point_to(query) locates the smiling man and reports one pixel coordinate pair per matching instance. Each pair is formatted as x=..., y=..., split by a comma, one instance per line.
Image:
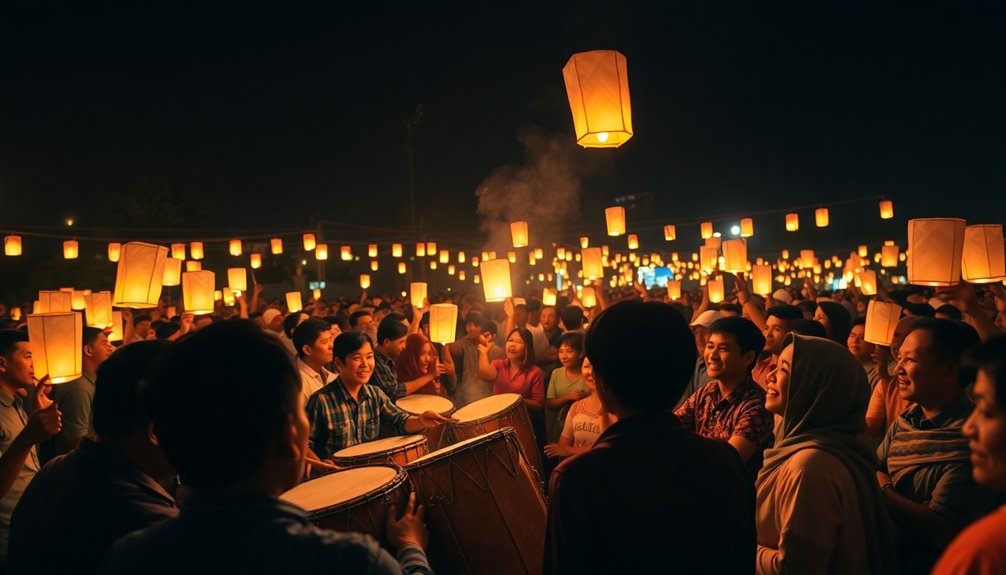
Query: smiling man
x=731, y=408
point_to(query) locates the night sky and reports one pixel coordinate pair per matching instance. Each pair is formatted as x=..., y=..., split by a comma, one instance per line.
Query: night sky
x=221, y=116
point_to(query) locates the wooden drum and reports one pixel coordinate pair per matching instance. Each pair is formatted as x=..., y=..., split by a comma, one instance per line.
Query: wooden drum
x=418, y=403
x=496, y=412
x=397, y=450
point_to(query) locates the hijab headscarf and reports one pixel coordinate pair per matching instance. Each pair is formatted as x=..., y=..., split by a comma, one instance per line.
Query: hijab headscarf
x=826, y=410
x=839, y=318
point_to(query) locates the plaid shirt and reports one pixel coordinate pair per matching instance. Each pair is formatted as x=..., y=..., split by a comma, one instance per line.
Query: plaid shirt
x=385, y=376
x=339, y=421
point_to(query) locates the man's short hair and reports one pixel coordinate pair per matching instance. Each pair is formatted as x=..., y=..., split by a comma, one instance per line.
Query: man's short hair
x=140, y=317
x=950, y=339
x=9, y=338
x=921, y=309
x=745, y=332
x=948, y=310
x=786, y=313
x=656, y=339
x=858, y=320
x=354, y=318
x=990, y=357
x=167, y=329
x=810, y=327
x=307, y=333
x=90, y=334
x=290, y=323
x=533, y=305
x=254, y=398
x=734, y=308
x=391, y=328
x=348, y=342
x=473, y=317
x=572, y=317
x=118, y=407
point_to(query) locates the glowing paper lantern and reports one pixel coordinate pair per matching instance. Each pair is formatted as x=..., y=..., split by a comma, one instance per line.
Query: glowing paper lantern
x=57, y=345
x=588, y=297
x=228, y=296
x=53, y=301
x=735, y=255
x=77, y=301
x=462, y=258
x=821, y=217
x=708, y=257
x=237, y=279
x=372, y=250
x=140, y=274
x=310, y=243
x=549, y=296
x=235, y=247
x=445, y=256
x=761, y=279
x=614, y=217
x=863, y=251
x=255, y=261
x=198, y=291
x=496, y=280
x=633, y=242
x=715, y=290
x=70, y=249
x=364, y=281
x=276, y=246
x=747, y=227
x=431, y=248
x=983, y=260
x=792, y=222
x=218, y=295
x=518, y=233
x=321, y=252
x=374, y=265
x=98, y=309
x=807, y=258
x=178, y=251
x=316, y=294
x=868, y=282
x=15, y=313
x=886, y=209
x=12, y=245
x=674, y=289
x=584, y=242
x=115, y=331
x=591, y=261
x=670, y=233
x=461, y=275
x=935, y=251
x=193, y=266
x=889, y=256
x=172, y=272
x=706, y=230
x=597, y=85
x=293, y=302
x=511, y=257
x=420, y=250
x=196, y=250
x=396, y=250
x=417, y=293
x=443, y=322
x=881, y=319
x=401, y=268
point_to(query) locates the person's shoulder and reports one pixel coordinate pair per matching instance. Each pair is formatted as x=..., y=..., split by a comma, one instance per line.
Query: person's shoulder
x=132, y=552
x=980, y=548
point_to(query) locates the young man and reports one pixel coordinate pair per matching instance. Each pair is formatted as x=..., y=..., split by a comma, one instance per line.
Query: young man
x=700, y=333
x=362, y=321
x=234, y=520
x=313, y=340
x=104, y=489
x=349, y=410
x=731, y=408
x=777, y=326
x=862, y=349
x=75, y=397
x=886, y=403
x=925, y=468
x=471, y=388
x=602, y=516
x=19, y=433
x=391, y=336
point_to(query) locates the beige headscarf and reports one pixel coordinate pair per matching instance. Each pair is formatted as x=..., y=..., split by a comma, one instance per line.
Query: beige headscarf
x=826, y=410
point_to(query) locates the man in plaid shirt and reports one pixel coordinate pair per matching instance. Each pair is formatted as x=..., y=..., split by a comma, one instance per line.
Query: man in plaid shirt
x=349, y=410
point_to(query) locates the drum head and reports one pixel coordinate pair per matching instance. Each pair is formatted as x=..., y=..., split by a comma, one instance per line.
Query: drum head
x=461, y=446
x=379, y=446
x=486, y=406
x=420, y=402
x=340, y=487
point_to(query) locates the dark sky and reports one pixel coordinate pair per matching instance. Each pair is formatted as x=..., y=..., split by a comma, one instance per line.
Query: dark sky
x=245, y=117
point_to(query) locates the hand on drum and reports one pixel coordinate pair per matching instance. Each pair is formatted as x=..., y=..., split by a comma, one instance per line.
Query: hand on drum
x=410, y=528
x=557, y=450
x=434, y=419
x=318, y=467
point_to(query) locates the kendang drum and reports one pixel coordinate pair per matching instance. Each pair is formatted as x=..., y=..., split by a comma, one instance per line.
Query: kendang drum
x=418, y=403
x=484, y=506
x=397, y=450
x=353, y=499
x=496, y=412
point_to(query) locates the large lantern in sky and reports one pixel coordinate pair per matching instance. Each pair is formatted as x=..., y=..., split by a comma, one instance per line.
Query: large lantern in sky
x=518, y=233
x=886, y=209
x=364, y=281
x=670, y=232
x=984, y=260
x=592, y=262
x=495, y=276
x=276, y=246
x=309, y=242
x=792, y=222
x=597, y=85
x=98, y=309
x=71, y=249
x=706, y=230
x=935, y=251
x=235, y=247
x=198, y=291
x=443, y=322
x=237, y=279
x=615, y=219
x=417, y=294
x=178, y=251
x=761, y=279
x=735, y=255
x=881, y=319
x=172, y=272
x=140, y=275
x=57, y=345
x=747, y=227
x=889, y=255
x=196, y=250
x=12, y=245
x=821, y=217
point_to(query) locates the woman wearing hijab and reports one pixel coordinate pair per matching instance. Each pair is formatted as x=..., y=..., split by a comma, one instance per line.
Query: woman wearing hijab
x=420, y=358
x=835, y=319
x=819, y=509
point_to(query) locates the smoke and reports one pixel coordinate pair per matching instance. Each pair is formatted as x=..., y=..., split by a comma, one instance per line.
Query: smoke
x=544, y=190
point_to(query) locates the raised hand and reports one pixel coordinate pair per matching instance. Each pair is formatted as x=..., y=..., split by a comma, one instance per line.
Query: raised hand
x=46, y=420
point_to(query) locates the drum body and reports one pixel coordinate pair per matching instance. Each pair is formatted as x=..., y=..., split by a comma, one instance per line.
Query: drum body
x=496, y=412
x=397, y=450
x=355, y=500
x=484, y=507
x=418, y=403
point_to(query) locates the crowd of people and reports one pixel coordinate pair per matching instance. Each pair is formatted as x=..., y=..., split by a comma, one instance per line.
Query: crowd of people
x=755, y=435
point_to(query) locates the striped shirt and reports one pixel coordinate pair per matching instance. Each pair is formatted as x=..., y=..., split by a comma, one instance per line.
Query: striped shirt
x=339, y=421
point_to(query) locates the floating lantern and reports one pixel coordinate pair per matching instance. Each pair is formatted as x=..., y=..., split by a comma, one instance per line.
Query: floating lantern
x=372, y=251
x=590, y=260
x=549, y=296
x=518, y=234
x=670, y=233
x=708, y=257
x=431, y=248
x=614, y=217
x=396, y=250
x=52, y=301
x=193, y=266
x=461, y=275
x=935, y=251
x=881, y=319
x=597, y=85
x=255, y=261
x=114, y=248
x=539, y=254
x=218, y=295
x=445, y=256
x=715, y=290
x=402, y=268
x=864, y=251
x=115, y=331
x=889, y=256
x=792, y=222
x=310, y=242
x=12, y=245
x=15, y=313
x=316, y=294
x=983, y=260
x=321, y=252
x=228, y=296
x=140, y=274
x=374, y=265
x=807, y=258
x=57, y=345
x=761, y=279
x=364, y=281
x=178, y=251
x=77, y=301
x=237, y=279
x=418, y=293
x=70, y=249
x=584, y=242
x=706, y=230
x=276, y=246
x=450, y=270
x=172, y=272
x=747, y=227
x=433, y=264
x=443, y=322
x=197, y=291
x=674, y=289
x=462, y=258
x=633, y=242
x=496, y=274
x=420, y=250
x=821, y=217
x=511, y=257
x=735, y=255
x=345, y=252
x=235, y=247
x=886, y=209
x=588, y=297
x=196, y=250
x=868, y=282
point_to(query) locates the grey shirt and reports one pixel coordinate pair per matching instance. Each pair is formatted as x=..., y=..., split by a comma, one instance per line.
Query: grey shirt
x=13, y=419
x=74, y=399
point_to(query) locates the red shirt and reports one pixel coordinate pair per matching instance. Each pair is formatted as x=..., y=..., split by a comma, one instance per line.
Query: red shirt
x=528, y=383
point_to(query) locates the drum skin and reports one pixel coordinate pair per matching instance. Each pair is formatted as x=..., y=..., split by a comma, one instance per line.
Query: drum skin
x=398, y=450
x=487, y=417
x=417, y=403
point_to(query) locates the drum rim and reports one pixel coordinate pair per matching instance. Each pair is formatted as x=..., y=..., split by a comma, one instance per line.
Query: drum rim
x=436, y=456
x=419, y=440
x=517, y=401
x=396, y=482
x=430, y=395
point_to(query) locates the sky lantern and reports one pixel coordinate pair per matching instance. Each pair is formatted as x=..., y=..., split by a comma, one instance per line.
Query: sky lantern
x=77, y=301
x=747, y=227
x=821, y=218
x=461, y=275
x=12, y=245
x=709, y=257
x=321, y=252
x=670, y=233
x=54, y=301
x=614, y=217
x=539, y=254
x=590, y=260
x=417, y=293
x=293, y=302
x=881, y=319
x=139, y=277
x=431, y=248
x=674, y=289
x=316, y=294
x=276, y=246
x=761, y=279
x=255, y=261
x=792, y=222
x=235, y=247
x=396, y=250
x=196, y=250
x=868, y=282
x=364, y=281
x=889, y=256
x=633, y=241
x=549, y=296
x=98, y=309
x=886, y=209
x=172, y=272
x=983, y=260
x=715, y=290
x=706, y=230
x=445, y=256
x=374, y=266
x=462, y=258
x=372, y=250
x=735, y=255
x=237, y=279
x=518, y=234
x=864, y=251
x=113, y=251
x=228, y=296
x=420, y=249
x=588, y=297
x=443, y=322
x=936, y=250
x=584, y=242
x=57, y=345
x=495, y=275
x=178, y=251
x=807, y=258
x=402, y=268
x=310, y=242
x=193, y=265
x=198, y=291
x=433, y=264
x=597, y=85
x=71, y=249
x=785, y=254
x=511, y=257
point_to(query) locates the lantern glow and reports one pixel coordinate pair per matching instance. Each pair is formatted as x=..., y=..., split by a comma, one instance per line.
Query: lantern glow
x=172, y=272
x=293, y=302
x=57, y=345
x=417, y=294
x=706, y=230
x=597, y=86
x=670, y=233
x=276, y=246
x=792, y=222
x=54, y=301
x=310, y=242
x=71, y=249
x=237, y=279
x=735, y=255
x=886, y=209
x=198, y=291
x=255, y=261
x=518, y=234
x=196, y=250
x=443, y=322
x=178, y=251
x=495, y=275
x=881, y=320
x=821, y=217
x=12, y=245
x=935, y=251
x=614, y=217
x=747, y=227
x=983, y=259
x=235, y=247
x=140, y=275
x=364, y=281
x=761, y=279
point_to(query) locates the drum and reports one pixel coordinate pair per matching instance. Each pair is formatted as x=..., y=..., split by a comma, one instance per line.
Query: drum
x=496, y=412
x=397, y=450
x=353, y=499
x=418, y=403
x=484, y=507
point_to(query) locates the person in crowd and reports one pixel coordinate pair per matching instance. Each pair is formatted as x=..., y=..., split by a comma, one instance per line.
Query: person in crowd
x=572, y=318
x=777, y=325
x=349, y=410
x=75, y=398
x=819, y=508
x=362, y=321
x=105, y=488
x=418, y=363
x=517, y=373
x=947, y=311
x=700, y=332
x=234, y=521
x=272, y=321
x=391, y=335
x=980, y=549
x=886, y=404
x=290, y=323
x=313, y=341
x=137, y=327
x=602, y=517
x=19, y=431
x=471, y=387
x=863, y=350
x=566, y=385
x=920, y=309
x=835, y=319
x=731, y=310
x=731, y=408
x=925, y=467
x=585, y=421
x=807, y=327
